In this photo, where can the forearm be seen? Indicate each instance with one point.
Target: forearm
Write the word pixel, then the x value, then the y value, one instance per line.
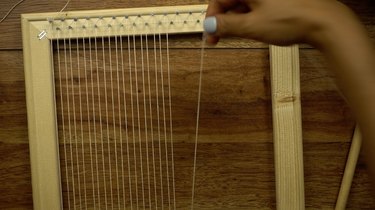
pixel 354 68
pixel 351 55
pixel 326 24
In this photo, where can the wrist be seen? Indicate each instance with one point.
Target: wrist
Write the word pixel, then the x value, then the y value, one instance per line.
pixel 333 25
pixel 343 40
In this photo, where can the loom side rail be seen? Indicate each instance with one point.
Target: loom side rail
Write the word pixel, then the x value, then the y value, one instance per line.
pixel 287 127
pixel 41 119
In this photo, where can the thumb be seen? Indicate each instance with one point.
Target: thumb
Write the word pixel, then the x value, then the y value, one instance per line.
pixel 222 25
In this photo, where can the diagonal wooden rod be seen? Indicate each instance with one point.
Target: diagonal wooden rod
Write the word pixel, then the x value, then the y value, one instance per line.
pixel 351 163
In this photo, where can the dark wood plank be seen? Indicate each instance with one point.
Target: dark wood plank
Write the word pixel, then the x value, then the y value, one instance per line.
pixel 235 112
pixel 323 109
pixel 13 120
pixel 229 176
pixel 15 175
pixel 235 154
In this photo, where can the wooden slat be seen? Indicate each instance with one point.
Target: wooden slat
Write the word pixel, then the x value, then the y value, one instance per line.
pixel 287 134
pixel 41 120
pixel 350 166
pixel 11 39
pixel 115 22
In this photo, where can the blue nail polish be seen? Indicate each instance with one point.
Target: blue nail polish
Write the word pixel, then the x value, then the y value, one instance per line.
pixel 210 25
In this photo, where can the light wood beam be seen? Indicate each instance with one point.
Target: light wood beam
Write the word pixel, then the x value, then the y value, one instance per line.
pixel 287 128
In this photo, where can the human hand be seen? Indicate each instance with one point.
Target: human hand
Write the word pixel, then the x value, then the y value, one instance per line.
pixel 325 24
pixel 273 21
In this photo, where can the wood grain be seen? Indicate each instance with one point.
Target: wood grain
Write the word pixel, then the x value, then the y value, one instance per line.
pixel 324 114
pixel 351 163
pixel 41 120
pixel 246 166
pixel 287 127
pixel 10 38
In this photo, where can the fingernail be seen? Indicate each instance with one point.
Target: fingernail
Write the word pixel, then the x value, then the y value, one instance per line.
pixel 210 25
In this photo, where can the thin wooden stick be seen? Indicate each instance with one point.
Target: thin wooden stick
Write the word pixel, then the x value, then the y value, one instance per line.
pixel 351 163
pixel 287 129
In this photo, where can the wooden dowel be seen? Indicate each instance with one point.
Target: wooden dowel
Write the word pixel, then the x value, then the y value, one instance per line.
pixel 351 163
pixel 287 128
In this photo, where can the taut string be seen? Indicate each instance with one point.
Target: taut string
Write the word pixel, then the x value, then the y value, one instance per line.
pixel 62 117
pixel 69 122
pixel 100 119
pixel 113 118
pixel 74 117
pixel 145 121
pixel 126 124
pixel 138 120
pixel 81 121
pixel 88 111
pixel 151 123
pixel 197 120
pixel 120 128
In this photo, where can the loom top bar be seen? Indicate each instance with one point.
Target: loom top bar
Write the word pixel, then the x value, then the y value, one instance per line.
pixel 116 22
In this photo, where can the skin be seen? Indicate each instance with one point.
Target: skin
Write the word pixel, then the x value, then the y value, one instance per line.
pixel 327 25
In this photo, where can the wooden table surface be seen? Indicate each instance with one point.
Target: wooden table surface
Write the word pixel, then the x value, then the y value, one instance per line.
pixel 235 156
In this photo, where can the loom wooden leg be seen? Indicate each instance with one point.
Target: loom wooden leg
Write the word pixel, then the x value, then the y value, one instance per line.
pixel 287 128
pixel 351 163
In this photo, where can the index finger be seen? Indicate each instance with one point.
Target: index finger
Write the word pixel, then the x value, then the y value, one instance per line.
pixel 220 6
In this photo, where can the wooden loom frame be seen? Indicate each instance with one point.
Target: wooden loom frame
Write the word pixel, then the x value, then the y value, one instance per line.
pixel 40 99
pixel 42 114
